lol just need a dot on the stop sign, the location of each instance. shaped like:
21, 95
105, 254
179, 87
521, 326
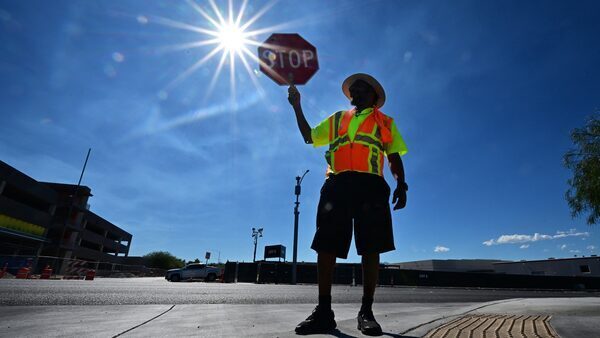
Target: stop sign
288, 58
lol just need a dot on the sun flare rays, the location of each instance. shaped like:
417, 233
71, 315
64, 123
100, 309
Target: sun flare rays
229, 33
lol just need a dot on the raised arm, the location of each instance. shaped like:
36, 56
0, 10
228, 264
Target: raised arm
303, 126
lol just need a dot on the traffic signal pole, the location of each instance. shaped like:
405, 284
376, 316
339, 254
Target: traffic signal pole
296, 216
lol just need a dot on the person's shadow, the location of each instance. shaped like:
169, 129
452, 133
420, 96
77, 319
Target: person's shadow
340, 334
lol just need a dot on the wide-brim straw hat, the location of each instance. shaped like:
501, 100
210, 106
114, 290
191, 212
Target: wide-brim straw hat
368, 79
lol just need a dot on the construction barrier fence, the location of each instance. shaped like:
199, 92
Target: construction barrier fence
266, 272
351, 274
47, 267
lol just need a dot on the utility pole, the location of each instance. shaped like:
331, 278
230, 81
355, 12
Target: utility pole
255, 234
296, 216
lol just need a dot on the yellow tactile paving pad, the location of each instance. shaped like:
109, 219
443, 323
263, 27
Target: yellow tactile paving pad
495, 326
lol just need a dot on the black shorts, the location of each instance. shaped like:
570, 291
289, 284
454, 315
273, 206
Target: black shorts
356, 196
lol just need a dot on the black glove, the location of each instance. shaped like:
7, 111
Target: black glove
399, 199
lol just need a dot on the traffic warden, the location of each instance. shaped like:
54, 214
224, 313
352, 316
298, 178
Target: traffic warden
354, 193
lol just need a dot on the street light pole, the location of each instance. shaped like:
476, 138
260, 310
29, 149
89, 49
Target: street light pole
296, 216
255, 234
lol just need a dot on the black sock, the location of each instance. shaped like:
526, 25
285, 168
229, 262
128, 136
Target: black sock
367, 304
325, 302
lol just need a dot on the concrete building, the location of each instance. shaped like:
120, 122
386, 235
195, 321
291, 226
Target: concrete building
27, 210
85, 235
53, 220
576, 266
452, 265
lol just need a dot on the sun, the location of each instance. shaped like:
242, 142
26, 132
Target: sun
230, 36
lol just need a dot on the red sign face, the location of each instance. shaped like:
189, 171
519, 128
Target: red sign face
288, 59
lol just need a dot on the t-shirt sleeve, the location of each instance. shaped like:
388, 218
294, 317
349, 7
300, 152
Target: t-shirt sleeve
397, 145
320, 133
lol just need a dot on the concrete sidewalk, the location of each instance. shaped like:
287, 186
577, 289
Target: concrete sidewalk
571, 317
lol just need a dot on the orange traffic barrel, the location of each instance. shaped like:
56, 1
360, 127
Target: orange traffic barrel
3, 271
23, 273
90, 274
46, 273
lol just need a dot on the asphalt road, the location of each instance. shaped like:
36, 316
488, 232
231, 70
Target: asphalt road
139, 291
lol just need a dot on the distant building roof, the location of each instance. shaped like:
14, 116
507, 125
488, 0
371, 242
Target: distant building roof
27, 184
458, 261
463, 265
69, 188
551, 259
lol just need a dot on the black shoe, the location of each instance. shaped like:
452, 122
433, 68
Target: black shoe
320, 321
368, 325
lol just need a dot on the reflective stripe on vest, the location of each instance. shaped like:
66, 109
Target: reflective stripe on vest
364, 154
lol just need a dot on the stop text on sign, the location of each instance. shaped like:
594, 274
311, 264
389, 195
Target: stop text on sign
288, 59
293, 58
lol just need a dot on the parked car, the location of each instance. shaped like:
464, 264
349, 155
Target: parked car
193, 271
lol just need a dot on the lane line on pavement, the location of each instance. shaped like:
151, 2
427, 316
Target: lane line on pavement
460, 314
148, 321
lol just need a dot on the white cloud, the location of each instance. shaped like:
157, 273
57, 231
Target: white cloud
562, 247
156, 122
524, 246
570, 233
507, 239
591, 247
574, 251
440, 248
519, 238
539, 237
516, 238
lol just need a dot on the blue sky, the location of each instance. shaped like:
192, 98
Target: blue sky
484, 93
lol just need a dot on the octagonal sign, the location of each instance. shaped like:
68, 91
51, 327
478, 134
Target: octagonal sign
288, 59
